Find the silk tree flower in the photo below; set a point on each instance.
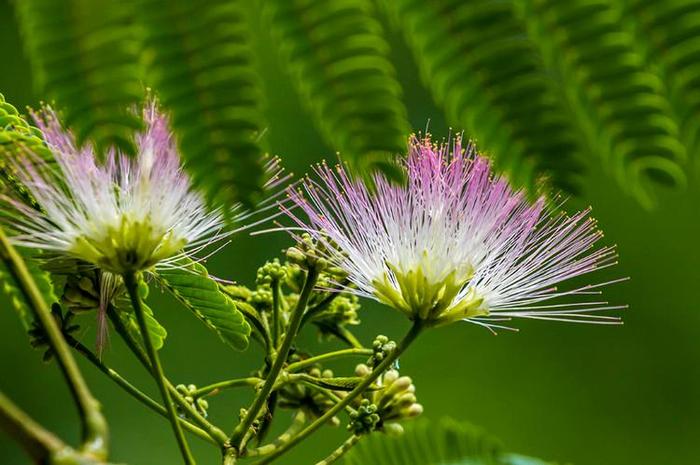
(127, 214)
(455, 243)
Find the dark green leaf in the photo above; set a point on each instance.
(481, 66)
(85, 56)
(200, 64)
(446, 442)
(338, 56)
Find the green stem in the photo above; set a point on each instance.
(231, 383)
(39, 443)
(95, 437)
(133, 390)
(340, 451)
(359, 389)
(215, 433)
(276, 310)
(296, 426)
(131, 285)
(279, 362)
(328, 356)
(322, 305)
(328, 393)
(230, 457)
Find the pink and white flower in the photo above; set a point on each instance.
(454, 243)
(124, 215)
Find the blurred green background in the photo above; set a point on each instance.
(592, 395)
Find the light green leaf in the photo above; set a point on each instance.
(191, 285)
(43, 282)
(445, 442)
(157, 332)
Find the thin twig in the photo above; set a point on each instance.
(359, 389)
(133, 390)
(281, 358)
(296, 366)
(340, 451)
(131, 285)
(95, 437)
(39, 443)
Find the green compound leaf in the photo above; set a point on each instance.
(337, 54)
(84, 55)
(42, 280)
(424, 442)
(484, 70)
(621, 103)
(670, 31)
(17, 136)
(191, 285)
(200, 64)
(157, 332)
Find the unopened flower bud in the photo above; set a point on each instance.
(362, 370)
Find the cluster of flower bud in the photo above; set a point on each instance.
(272, 271)
(365, 419)
(261, 298)
(308, 253)
(80, 293)
(382, 346)
(40, 340)
(395, 401)
(311, 401)
(342, 310)
(200, 405)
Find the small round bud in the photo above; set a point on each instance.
(362, 370)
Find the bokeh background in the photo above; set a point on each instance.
(588, 395)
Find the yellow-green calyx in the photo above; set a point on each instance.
(127, 247)
(435, 302)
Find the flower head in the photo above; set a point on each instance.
(124, 215)
(454, 243)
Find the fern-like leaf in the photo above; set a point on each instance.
(200, 64)
(621, 105)
(339, 60)
(480, 65)
(434, 443)
(671, 31)
(17, 135)
(42, 280)
(191, 285)
(84, 55)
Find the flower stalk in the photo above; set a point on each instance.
(341, 451)
(352, 352)
(251, 381)
(280, 360)
(214, 433)
(388, 361)
(133, 390)
(131, 284)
